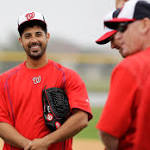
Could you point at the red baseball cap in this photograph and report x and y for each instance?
(105, 38)
(108, 33)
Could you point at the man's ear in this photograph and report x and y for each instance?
(20, 40)
(145, 25)
(48, 35)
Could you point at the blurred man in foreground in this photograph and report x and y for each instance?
(125, 120)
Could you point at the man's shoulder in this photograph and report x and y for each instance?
(11, 72)
(61, 67)
(137, 59)
(135, 62)
(68, 72)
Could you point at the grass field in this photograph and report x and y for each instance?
(91, 132)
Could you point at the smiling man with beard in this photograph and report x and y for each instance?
(22, 125)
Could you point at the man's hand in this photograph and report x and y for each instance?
(37, 144)
(110, 142)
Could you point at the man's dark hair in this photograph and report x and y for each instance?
(31, 24)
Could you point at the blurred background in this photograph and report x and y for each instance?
(74, 25)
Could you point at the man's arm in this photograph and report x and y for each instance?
(11, 136)
(71, 127)
(74, 124)
(110, 142)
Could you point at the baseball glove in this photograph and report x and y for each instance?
(56, 107)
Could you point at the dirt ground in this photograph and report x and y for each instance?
(1, 144)
(80, 145)
(87, 145)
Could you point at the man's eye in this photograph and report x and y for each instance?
(38, 34)
(27, 36)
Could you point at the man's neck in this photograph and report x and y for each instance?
(35, 64)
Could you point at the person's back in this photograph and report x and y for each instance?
(138, 126)
(143, 102)
(129, 108)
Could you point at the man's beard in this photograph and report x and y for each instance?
(36, 57)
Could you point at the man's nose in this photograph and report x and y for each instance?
(112, 45)
(33, 39)
(118, 36)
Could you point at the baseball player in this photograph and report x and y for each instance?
(22, 124)
(125, 120)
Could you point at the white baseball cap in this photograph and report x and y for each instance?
(31, 15)
(108, 33)
(133, 10)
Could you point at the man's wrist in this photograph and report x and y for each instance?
(26, 142)
(47, 140)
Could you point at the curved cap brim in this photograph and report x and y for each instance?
(105, 38)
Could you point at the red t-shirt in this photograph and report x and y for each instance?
(126, 112)
(21, 103)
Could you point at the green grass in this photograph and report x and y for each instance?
(91, 132)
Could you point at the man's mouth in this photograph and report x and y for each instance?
(35, 47)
